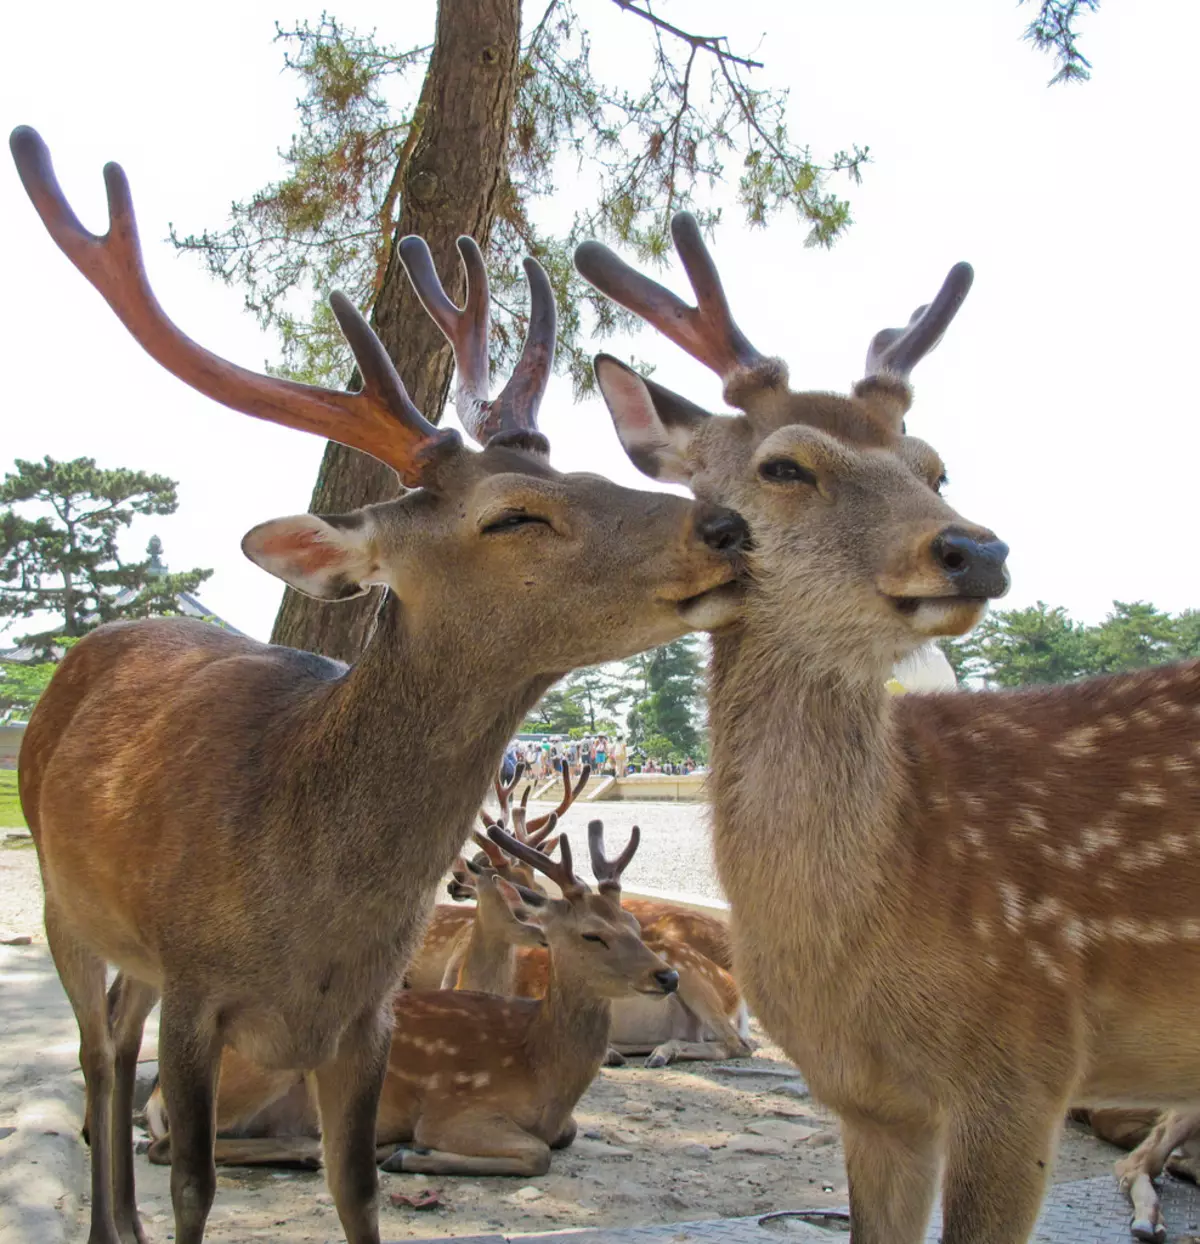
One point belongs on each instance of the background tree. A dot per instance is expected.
(58, 547)
(1020, 647)
(557, 712)
(1132, 637)
(500, 116)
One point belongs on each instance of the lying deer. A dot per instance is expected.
(218, 817)
(1154, 1138)
(479, 1084)
(706, 1017)
(951, 911)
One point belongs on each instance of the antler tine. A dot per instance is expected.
(503, 792)
(608, 872)
(514, 410)
(538, 827)
(380, 419)
(489, 848)
(561, 873)
(707, 331)
(896, 351)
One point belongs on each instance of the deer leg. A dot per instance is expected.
(83, 978)
(1137, 1171)
(703, 1011)
(892, 1169)
(998, 1162)
(130, 1001)
(471, 1144)
(348, 1090)
(566, 1137)
(189, 1055)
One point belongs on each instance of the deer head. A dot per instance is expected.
(853, 550)
(648, 568)
(589, 935)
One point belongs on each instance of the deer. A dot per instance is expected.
(950, 910)
(251, 833)
(705, 1018)
(477, 1083)
(1157, 1141)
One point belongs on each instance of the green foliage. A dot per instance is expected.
(58, 546)
(1021, 647)
(644, 154)
(21, 686)
(1053, 30)
(11, 816)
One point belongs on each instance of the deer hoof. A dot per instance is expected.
(1150, 1232)
(658, 1059)
(395, 1162)
(614, 1058)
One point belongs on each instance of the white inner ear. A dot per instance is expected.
(315, 557)
(658, 450)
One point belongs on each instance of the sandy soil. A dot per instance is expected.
(687, 1142)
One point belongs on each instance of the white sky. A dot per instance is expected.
(1055, 399)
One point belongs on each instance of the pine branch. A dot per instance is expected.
(699, 43)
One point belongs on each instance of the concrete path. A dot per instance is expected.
(43, 1163)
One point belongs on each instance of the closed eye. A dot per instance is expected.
(592, 937)
(786, 471)
(512, 521)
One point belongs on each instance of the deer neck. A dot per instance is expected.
(806, 780)
(489, 964)
(394, 759)
(568, 1039)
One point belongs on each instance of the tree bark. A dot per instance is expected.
(456, 175)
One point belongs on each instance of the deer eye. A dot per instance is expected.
(512, 521)
(941, 482)
(786, 471)
(592, 937)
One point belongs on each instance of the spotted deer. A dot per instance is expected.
(479, 1084)
(254, 834)
(950, 910)
(706, 1016)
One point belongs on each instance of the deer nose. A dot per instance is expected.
(974, 566)
(668, 979)
(723, 530)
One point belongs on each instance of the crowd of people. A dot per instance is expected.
(606, 755)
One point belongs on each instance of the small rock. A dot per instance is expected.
(594, 1135)
(323, 1198)
(588, 1148)
(762, 1145)
(23, 940)
(794, 1088)
(782, 1129)
(6, 1132)
(524, 1195)
(696, 1151)
(819, 1139)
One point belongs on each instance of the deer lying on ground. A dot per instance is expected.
(950, 910)
(254, 834)
(479, 1084)
(706, 1018)
(1166, 1140)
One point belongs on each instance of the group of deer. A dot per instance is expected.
(950, 910)
(452, 1073)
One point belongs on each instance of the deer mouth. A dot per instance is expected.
(940, 615)
(715, 608)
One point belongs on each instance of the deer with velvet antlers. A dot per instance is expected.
(254, 834)
(950, 910)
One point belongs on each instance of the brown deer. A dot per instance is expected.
(254, 834)
(705, 1018)
(950, 910)
(1154, 1138)
(479, 1084)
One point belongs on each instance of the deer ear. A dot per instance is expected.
(517, 899)
(331, 557)
(655, 425)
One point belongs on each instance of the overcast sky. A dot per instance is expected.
(1055, 399)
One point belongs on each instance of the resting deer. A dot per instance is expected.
(253, 833)
(706, 1017)
(479, 1084)
(1154, 1137)
(951, 911)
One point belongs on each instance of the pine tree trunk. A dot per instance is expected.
(454, 184)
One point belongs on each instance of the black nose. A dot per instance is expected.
(668, 979)
(975, 567)
(722, 529)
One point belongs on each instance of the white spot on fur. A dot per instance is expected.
(1045, 910)
(1028, 822)
(1014, 905)
(983, 927)
(1081, 741)
(1042, 958)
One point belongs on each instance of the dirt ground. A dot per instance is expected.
(692, 1141)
